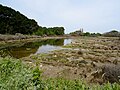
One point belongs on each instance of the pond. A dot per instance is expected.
(44, 46)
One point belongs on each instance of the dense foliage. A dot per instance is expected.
(12, 22)
(42, 31)
(91, 34)
(79, 33)
(15, 75)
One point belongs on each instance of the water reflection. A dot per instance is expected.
(47, 48)
(34, 47)
(67, 41)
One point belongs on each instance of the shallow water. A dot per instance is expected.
(44, 46)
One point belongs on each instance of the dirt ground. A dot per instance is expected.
(83, 59)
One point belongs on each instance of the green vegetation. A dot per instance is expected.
(15, 75)
(12, 22)
(91, 34)
(81, 33)
(62, 84)
(49, 31)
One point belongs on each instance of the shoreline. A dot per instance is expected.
(85, 60)
(4, 39)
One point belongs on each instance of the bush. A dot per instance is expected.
(112, 34)
(111, 73)
(14, 75)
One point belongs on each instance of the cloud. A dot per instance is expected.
(92, 15)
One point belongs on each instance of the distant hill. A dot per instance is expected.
(112, 33)
(12, 22)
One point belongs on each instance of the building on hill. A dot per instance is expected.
(78, 32)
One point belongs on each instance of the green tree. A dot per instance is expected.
(12, 22)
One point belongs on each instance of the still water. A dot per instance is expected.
(38, 47)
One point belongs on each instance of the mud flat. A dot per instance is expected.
(93, 59)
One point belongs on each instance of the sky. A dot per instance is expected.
(91, 15)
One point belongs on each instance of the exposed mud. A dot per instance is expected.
(83, 59)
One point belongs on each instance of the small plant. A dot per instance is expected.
(38, 85)
(14, 75)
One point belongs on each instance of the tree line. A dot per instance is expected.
(12, 22)
(42, 31)
(113, 33)
(81, 33)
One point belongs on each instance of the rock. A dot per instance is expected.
(81, 58)
(28, 49)
(115, 62)
(41, 65)
(83, 61)
(80, 52)
(93, 64)
(75, 72)
(97, 74)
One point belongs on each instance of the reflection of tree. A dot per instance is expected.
(29, 48)
(55, 42)
(20, 52)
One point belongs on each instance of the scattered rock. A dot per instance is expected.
(97, 73)
(80, 52)
(83, 61)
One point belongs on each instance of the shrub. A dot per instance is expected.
(14, 75)
(113, 33)
(111, 73)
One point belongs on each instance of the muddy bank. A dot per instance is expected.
(19, 36)
(87, 58)
(16, 37)
(20, 39)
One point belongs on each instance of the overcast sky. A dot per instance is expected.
(91, 15)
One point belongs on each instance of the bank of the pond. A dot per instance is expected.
(19, 39)
(25, 49)
(92, 59)
(18, 36)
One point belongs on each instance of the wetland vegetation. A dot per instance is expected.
(88, 63)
